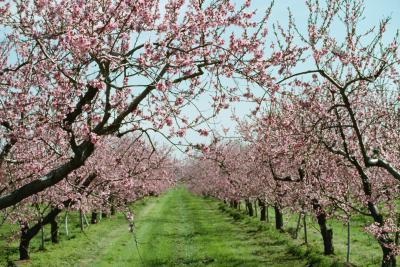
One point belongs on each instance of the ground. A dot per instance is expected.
(181, 229)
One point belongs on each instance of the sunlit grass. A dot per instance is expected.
(180, 229)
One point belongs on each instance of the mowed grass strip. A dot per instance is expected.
(175, 229)
(74, 249)
(186, 230)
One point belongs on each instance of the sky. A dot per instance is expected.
(375, 11)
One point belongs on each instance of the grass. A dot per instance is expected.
(180, 229)
(365, 250)
(73, 250)
(176, 229)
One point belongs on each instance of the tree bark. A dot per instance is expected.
(24, 242)
(249, 208)
(53, 177)
(305, 228)
(278, 218)
(389, 260)
(93, 220)
(112, 210)
(54, 230)
(41, 236)
(327, 234)
(262, 210)
(81, 220)
(28, 233)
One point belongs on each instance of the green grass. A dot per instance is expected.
(176, 229)
(180, 229)
(74, 249)
(365, 250)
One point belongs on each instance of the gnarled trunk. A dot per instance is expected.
(84, 151)
(278, 218)
(389, 260)
(28, 233)
(327, 234)
(24, 242)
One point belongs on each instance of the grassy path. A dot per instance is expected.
(175, 229)
(179, 229)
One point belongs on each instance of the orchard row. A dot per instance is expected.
(85, 85)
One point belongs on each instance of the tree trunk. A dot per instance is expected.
(327, 234)
(249, 208)
(235, 204)
(305, 228)
(389, 260)
(28, 233)
(255, 208)
(81, 219)
(262, 210)
(54, 230)
(24, 242)
(112, 206)
(112, 210)
(41, 236)
(267, 212)
(85, 149)
(278, 218)
(93, 220)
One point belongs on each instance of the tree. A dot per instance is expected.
(78, 71)
(351, 105)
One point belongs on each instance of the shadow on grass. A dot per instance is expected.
(207, 261)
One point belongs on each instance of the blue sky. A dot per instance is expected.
(375, 11)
